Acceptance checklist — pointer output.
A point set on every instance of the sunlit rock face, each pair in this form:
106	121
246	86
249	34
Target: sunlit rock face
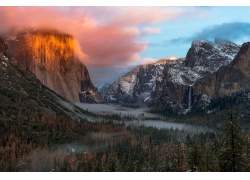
49	54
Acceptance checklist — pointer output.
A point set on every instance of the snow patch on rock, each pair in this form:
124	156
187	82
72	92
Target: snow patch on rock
4	63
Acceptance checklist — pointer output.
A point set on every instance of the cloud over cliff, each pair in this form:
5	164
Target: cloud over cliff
105	36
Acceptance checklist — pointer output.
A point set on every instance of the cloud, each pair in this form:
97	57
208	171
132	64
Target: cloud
148	60
150	30
108	36
231	31
111	46
152	15
105	36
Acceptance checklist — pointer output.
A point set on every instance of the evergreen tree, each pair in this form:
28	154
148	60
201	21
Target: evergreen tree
194	158
208	159
230	154
181	157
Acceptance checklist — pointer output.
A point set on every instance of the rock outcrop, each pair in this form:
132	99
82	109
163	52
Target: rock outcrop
49	54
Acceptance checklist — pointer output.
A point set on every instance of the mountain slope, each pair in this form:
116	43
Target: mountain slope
137	85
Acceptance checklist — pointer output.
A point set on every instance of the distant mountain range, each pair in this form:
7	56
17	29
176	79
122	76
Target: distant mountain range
171	82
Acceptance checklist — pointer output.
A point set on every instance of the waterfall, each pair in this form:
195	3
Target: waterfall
189	96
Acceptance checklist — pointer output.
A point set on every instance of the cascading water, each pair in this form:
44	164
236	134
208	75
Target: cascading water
189	96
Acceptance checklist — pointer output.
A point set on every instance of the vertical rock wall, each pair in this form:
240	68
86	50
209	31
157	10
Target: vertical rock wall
49	54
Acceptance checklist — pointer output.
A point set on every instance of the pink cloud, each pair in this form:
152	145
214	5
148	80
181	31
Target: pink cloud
104	36
150	30
148	60
147	15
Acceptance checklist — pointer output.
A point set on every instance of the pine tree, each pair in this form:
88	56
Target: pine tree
208	159
194	158
230	154
181	158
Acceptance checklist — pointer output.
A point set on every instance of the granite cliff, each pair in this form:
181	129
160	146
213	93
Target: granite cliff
23	94
49	54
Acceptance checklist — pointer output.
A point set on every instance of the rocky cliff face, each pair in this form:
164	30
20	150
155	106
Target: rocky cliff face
228	79
49	54
137	85
21	92
175	88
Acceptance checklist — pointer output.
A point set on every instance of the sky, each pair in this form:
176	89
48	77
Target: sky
112	40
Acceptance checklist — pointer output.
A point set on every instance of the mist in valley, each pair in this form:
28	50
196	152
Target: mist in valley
139	116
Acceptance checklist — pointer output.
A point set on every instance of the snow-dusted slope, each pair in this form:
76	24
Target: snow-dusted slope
137	85
204	57
177	73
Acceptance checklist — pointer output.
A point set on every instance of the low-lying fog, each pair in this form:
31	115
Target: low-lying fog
118	109
163	124
113	108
